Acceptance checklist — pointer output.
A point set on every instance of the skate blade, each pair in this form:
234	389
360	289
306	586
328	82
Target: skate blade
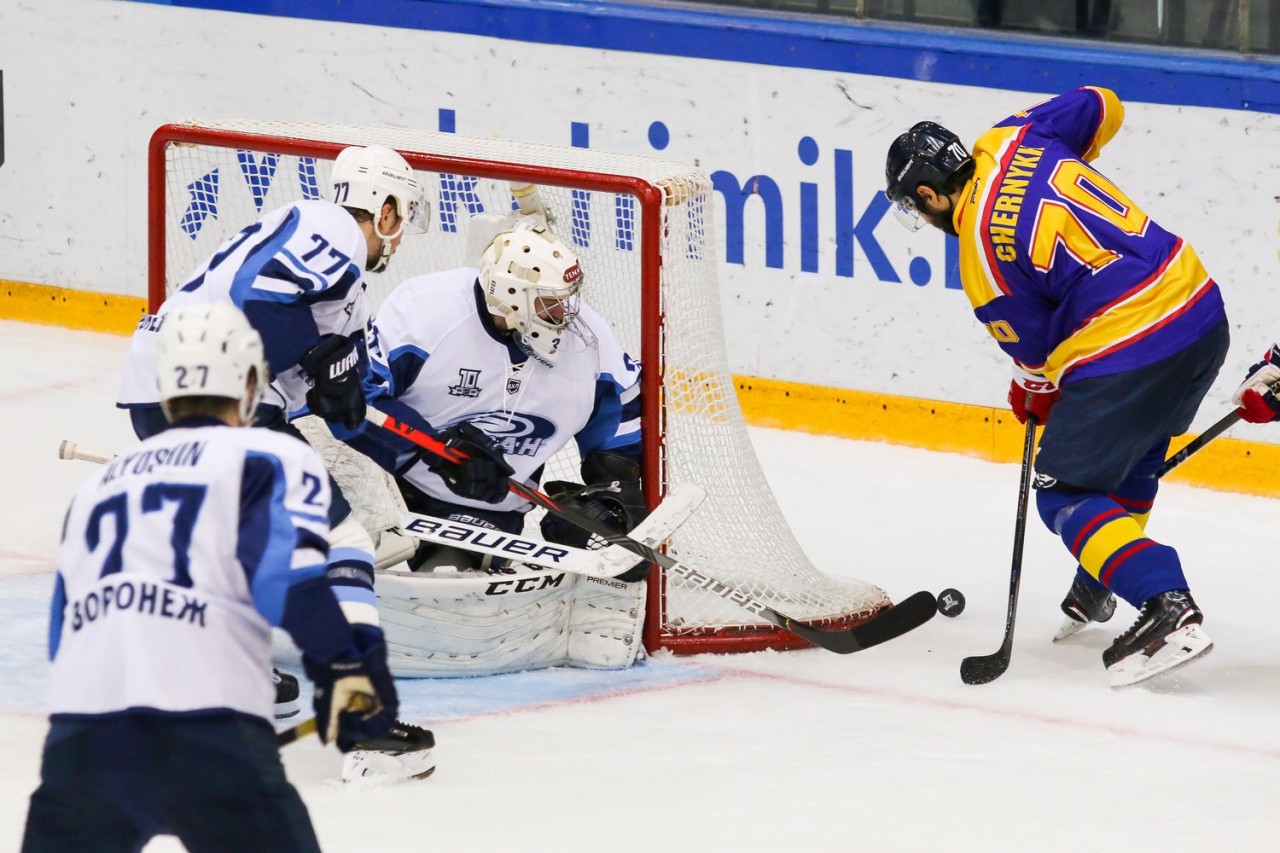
1180	648
371	767
1069	628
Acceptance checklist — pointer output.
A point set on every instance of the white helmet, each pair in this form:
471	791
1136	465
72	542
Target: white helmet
531	280
369	177
210	350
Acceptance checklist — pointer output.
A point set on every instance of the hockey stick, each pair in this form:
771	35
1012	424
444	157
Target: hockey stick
303	729
609	562
908	614
981	669
1226	423
68	450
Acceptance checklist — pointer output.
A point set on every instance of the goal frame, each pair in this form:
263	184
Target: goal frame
650	200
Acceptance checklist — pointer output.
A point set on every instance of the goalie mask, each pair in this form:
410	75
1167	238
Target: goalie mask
927	154
367	178
531	280
210	350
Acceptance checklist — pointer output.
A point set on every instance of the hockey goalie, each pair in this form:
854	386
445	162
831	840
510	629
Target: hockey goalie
506	364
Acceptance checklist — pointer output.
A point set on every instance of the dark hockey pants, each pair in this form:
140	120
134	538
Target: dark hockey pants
215	782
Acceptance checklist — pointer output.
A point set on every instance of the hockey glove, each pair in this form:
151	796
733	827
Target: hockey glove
1032	393
355	698
617	506
333	365
482	476
1256	396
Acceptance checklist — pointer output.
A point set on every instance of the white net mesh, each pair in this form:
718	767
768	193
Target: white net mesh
215	186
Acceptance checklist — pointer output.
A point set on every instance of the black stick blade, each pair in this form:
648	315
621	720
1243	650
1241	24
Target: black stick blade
983	669
906	615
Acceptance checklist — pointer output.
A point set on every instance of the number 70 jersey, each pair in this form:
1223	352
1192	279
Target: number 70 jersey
175	562
1063	269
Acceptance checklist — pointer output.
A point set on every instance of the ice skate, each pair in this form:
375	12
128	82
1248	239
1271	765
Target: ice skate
287	692
404	753
1166	636
1085	602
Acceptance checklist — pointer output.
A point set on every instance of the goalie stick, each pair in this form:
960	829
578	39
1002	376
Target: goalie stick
897	620
609	562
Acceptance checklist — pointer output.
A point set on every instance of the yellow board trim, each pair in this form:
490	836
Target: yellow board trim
71	309
988	433
993	434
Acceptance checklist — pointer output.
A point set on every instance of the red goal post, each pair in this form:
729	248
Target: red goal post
642	227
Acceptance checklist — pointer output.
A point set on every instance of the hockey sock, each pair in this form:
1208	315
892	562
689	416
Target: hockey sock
1110	545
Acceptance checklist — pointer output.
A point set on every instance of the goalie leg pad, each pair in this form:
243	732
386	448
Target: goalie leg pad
473	624
605	622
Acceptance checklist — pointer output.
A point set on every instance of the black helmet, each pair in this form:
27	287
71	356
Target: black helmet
928	154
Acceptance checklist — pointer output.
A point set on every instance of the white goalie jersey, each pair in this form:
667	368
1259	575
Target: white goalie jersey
175	562
296	273
433	350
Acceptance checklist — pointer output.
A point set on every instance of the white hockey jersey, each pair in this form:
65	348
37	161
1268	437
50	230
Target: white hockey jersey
430	350
297	275
175	562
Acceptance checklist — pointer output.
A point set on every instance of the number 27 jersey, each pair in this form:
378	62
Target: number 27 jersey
174	564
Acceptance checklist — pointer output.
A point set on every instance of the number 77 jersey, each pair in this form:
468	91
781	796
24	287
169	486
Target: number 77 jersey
1063	269
175	562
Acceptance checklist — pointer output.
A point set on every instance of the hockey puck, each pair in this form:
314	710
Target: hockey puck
950	602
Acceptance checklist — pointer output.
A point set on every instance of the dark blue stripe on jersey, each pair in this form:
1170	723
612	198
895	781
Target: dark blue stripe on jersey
403	366
250	268
313	618
267	537
601	429
55	617
308	538
288	331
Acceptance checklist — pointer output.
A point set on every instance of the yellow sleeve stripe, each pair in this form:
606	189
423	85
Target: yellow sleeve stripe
1112	118
1156	302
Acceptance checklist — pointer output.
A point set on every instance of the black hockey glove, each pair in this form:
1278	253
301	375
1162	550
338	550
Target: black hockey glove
355	699
618	506
483	476
333	365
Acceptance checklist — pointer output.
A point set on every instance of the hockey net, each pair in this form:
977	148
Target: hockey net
643	231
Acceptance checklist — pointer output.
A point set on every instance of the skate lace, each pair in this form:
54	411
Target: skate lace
1144	615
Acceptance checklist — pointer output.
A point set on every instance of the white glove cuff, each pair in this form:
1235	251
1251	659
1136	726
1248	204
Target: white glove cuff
1033	382
1263	380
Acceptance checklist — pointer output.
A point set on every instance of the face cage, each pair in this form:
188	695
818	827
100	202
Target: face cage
541	334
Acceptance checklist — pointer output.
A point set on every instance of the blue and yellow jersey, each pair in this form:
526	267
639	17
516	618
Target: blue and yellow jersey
1062	268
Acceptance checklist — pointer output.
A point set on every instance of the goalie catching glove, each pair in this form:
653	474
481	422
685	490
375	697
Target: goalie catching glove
355	699
483	474
333	366
1256	397
617	504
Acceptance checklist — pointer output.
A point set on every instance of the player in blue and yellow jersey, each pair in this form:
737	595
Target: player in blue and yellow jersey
1111	321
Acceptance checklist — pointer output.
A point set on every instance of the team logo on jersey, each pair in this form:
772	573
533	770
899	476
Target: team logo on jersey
518	433
468	384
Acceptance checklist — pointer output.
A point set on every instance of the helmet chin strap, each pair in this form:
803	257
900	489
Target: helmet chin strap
385	256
